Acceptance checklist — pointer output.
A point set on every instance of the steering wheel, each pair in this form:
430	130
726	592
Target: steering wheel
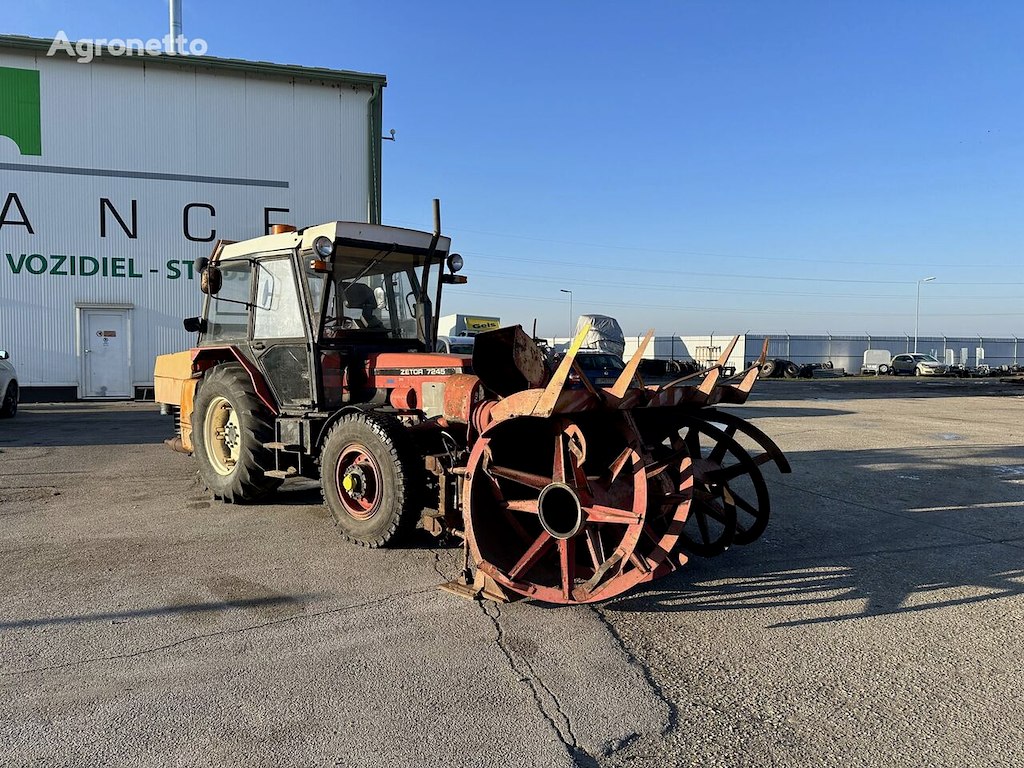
339	323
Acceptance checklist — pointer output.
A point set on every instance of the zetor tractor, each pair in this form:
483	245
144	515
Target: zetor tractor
313	360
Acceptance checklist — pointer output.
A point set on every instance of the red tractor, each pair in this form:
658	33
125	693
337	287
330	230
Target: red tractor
314	359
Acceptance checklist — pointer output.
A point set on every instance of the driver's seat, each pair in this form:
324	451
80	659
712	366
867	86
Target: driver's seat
360	296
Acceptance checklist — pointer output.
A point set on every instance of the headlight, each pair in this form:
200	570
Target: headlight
455	262
323	246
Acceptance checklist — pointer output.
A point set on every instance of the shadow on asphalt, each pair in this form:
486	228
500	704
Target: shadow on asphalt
116	617
81	424
875	388
891	543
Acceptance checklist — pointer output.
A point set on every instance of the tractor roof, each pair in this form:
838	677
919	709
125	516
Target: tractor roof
346	234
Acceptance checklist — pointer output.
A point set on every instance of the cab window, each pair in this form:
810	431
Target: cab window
228	315
278	313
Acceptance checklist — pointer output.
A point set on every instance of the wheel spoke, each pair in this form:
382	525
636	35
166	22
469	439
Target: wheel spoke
595	545
534	553
718	452
743	504
725	474
702	523
567	558
558	473
692	442
529	479
709	509
522	505
598	513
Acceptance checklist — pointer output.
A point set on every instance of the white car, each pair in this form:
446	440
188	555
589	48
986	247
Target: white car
8	386
917	364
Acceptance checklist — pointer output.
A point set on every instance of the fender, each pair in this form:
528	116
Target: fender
335	417
207	357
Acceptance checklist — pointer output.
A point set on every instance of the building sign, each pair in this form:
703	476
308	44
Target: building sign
19	109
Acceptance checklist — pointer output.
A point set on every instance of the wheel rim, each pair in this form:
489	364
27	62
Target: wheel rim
556	525
222	436
358	481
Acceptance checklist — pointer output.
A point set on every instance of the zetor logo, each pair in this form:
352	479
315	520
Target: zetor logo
19	109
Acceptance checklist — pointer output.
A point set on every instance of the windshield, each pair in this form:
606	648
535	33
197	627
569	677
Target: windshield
924	358
371	293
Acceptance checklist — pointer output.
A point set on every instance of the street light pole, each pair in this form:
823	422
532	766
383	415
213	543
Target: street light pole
566	290
917	314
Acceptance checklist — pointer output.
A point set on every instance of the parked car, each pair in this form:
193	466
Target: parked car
602	368
455	345
917	364
8	386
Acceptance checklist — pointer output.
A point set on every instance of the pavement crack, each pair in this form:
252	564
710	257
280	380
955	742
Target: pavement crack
672	720
547	703
295	617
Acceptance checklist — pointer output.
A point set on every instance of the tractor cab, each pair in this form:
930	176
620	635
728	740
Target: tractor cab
315	312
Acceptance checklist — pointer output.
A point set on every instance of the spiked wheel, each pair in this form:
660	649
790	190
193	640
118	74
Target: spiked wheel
555	507
730	497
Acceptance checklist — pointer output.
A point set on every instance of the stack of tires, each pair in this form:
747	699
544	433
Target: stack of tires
780	368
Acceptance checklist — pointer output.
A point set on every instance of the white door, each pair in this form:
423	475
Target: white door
105	357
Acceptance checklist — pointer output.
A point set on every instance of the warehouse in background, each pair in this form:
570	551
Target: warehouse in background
117	174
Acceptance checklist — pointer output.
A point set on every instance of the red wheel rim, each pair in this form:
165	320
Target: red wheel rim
584	557
357	479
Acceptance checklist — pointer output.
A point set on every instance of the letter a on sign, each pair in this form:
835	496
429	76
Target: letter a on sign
19	109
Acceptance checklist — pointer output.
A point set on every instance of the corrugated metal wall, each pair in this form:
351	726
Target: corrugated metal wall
258	142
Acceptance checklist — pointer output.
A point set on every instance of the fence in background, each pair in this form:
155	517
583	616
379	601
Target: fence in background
843	351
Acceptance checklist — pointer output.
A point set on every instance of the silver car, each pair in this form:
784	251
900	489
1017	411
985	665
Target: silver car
917	364
8	386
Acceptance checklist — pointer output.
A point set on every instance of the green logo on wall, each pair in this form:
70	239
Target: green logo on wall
19	109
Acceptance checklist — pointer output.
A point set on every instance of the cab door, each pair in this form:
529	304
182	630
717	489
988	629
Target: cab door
280	341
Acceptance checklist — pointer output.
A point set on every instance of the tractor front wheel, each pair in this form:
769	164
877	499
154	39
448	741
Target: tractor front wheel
232	426
371	475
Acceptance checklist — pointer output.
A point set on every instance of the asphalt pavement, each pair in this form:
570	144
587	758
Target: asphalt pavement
877	621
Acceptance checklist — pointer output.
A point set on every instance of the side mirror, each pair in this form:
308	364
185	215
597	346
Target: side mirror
201	264
4	354
211	280
194	324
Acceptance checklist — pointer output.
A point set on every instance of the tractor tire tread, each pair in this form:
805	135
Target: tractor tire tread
403	456
249	484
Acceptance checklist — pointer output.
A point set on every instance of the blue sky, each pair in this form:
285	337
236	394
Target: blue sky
690	166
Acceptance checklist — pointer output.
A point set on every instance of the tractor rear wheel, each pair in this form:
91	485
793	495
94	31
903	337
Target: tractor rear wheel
371	475
231	427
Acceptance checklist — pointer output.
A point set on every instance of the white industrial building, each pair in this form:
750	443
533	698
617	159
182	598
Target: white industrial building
115	175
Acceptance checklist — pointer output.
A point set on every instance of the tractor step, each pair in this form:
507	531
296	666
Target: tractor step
281	474
284	447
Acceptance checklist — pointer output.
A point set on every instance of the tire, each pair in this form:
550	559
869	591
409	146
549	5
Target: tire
673	368
883	370
768	369
791	370
9	406
829	365
374	454
232	466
